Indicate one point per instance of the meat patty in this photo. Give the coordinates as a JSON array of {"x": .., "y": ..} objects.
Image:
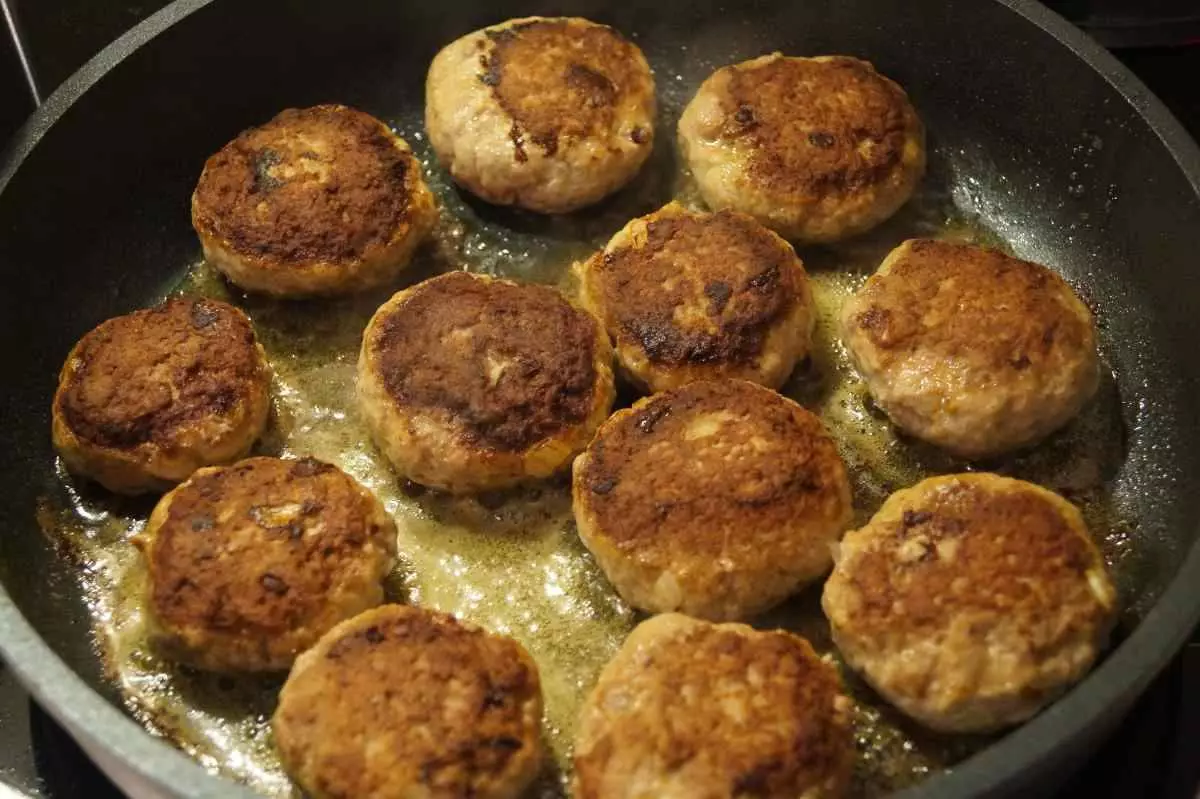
[
  {"x": 250, "y": 564},
  {"x": 718, "y": 499},
  {"x": 971, "y": 601},
  {"x": 688, "y": 296},
  {"x": 321, "y": 200},
  {"x": 147, "y": 398},
  {"x": 970, "y": 349},
  {"x": 406, "y": 702},
  {"x": 469, "y": 383},
  {"x": 817, "y": 149},
  {"x": 692, "y": 710},
  {"x": 549, "y": 114}
]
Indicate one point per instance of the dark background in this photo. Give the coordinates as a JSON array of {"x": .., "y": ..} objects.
[{"x": 1157, "y": 751}]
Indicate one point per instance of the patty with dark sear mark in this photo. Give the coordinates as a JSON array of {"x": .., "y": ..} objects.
[
  {"x": 470, "y": 383},
  {"x": 406, "y": 702},
  {"x": 548, "y": 114},
  {"x": 971, "y": 601},
  {"x": 145, "y": 399},
  {"x": 250, "y": 564},
  {"x": 321, "y": 200},
  {"x": 691, "y": 296},
  {"x": 719, "y": 500},
  {"x": 690, "y": 709},
  {"x": 817, "y": 149},
  {"x": 970, "y": 349}
]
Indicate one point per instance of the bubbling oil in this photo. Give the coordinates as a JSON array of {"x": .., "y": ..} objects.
[{"x": 512, "y": 561}]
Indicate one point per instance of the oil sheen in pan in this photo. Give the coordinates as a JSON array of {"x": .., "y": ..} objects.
[{"x": 512, "y": 562}]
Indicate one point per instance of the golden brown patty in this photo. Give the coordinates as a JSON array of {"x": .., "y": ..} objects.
[
  {"x": 970, "y": 601},
  {"x": 469, "y": 382},
  {"x": 971, "y": 349},
  {"x": 560, "y": 78},
  {"x": 401, "y": 701},
  {"x": 689, "y": 709},
  {"x": 688, "y": 296},
  {"x": 550, "y": 114},
  {"x": 718, "y": 499},
  {"x": 147, "y": 398},
  {"x": 816, "y": 148},
  {"x": 250, "y": 564},
  {"x": 318, "y": 200}
]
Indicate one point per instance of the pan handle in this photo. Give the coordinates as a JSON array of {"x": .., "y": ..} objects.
[{"x": 31, "y": 83}]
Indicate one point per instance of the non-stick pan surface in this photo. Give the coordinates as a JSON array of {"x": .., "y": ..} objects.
[{"x": 1053, "y": 144}]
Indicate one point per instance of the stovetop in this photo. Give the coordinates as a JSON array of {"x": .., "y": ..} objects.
[{"x": 1155, "y": 753}]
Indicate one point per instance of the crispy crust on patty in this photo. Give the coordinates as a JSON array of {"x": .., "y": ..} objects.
[
  {"x": 250, "y": 564},
  {"x": 544, "y": 347},
  {"x": 1018, "y": 552},
  {"x": 468, "y": 382},
  {"x": 815, "y": 148},
  {"x": 972, "y": 349},
  {"x": 971, "y": 600},
  {"x": 548, "y": 114},
  {"x": 687, "y": 296},
  {"x": 318, "y": 199},
  {"x": 964, "y": 301},
  {"x": 403, "y": 701},
  {"x": 688, "y": 708},
  {"x": 146, "y": 398},
  {"x": 718, "y": 499},
  {"x": 561, "y": 78},
  {"x": 816, "y": 126}
]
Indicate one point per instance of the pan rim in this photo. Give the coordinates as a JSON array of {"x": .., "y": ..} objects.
[
  {"x": 100, "y": 725},
  {"x": 1124, "y": 674}
]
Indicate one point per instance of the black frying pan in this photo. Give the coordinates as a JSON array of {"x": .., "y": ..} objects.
[{"x": 94, "y": 222}]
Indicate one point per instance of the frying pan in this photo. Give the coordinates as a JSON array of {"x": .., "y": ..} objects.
[{"x": 1043, "y": 135}]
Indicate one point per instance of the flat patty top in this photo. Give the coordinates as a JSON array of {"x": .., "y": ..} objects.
[
  {"x": 975, "y": 305},
  {"x": 758, "y": 708},
  {"x": 456, "y": 706},
  {"x": 510, "y": 365},
  {"x": 260, "y": 547},
  {"x": 672, "y": 478},
  {"x": 815, "y": 127},
  {"x": 971, "y": 544},
  {"x": 700, "y": 289},
  {"x": 326, "y": 183},
  {"x": 162, "y": 375},
  {"x": 563, "y": 79}
]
